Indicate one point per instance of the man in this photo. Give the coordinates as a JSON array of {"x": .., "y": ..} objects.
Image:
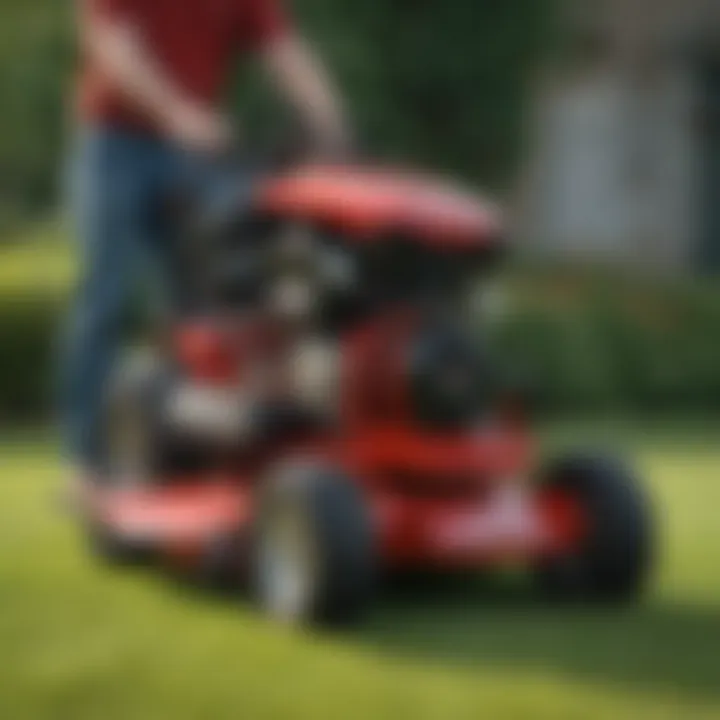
[{"x": 148, "y": 108}]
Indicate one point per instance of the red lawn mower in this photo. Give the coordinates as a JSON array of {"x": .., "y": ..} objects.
[{"x": 325, "y": 415}]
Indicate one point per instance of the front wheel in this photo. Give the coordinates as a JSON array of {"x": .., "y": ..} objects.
[
  {"x": 312, "y": 557},
  {"x": 613, "y": 558}
]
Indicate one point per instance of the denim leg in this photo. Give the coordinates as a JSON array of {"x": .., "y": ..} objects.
[
  {"x": 209, "y": 190},
  {"x": 109, "y": 184},
  {"x": 160, "y": 246}
]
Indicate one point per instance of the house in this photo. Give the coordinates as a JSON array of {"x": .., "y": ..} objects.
[{"x": 624, "y": 159}]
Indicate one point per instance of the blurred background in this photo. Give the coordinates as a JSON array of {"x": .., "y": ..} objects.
[{"x": 597, "y": 123}]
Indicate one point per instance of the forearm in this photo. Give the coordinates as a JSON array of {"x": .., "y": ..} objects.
[
  {"x": 119, "y": 53},
  {"x": 303, "y": 82}
]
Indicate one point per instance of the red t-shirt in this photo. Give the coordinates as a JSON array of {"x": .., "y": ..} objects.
[{"x": 195, "y": 41}]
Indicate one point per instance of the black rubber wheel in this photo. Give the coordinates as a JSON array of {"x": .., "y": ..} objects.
[
  {"x": 137, "y": 442},
  {"x": 109, "y": 549},
  {"x": 312, "y": 558},
  {"x": 131, "y": 442},
  {"x": 614, "y": 559}
]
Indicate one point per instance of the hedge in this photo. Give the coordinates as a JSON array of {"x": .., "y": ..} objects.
[
  {"x": 27, "y": 340},
  {"x": 596, "y": 342},
  {"x": 588, "y": 342},
  {"x": 36, "y": 271}
]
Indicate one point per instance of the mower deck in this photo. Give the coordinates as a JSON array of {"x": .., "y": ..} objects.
[{"x": 187, "y": 517}]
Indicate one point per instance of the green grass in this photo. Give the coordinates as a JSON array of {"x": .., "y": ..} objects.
[
  {"x": 78, "y": 641},
  {"x": 38, "y": 263}
]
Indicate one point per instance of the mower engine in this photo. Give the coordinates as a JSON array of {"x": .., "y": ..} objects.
[{"x": 345, "y": 320}]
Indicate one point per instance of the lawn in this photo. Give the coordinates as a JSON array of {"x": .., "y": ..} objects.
[
  {"x": 37, "y": 263},
  {"x": 78, "y": 641}
]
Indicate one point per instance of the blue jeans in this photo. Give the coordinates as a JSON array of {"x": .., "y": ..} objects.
[{"x": 120, "y": 184}]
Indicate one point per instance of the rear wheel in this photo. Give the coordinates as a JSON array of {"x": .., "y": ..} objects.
[
  {"x": 134, "y": 447},
  {"x": 312, "y": 558},
  {"x": 614, "y": 557},
  {"x": 138, "y": 443},
  {"x": 131, "y": 443}
]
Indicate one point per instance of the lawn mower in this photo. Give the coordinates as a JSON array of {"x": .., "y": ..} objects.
[{"x": 325, "y": 413}]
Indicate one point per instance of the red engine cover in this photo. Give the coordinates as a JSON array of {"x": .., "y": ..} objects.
[
  {"x": 374, "y": 385},
  {"x": 369, "y": 203}
]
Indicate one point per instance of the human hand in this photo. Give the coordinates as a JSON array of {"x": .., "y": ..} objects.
[
  {"x": 200, "y": 129},
  {"x": 334, "y": 142}
]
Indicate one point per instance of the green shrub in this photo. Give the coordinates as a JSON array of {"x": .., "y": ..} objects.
[
  {"x": 589, "y": 344},
  {"x": 28, "y": 332},
  {"x": 596, "y": 343}
]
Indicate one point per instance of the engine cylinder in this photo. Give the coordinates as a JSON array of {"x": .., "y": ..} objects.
[
  {"x": 408, "y": 370},
  {"x": 447, "y": 376}
]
